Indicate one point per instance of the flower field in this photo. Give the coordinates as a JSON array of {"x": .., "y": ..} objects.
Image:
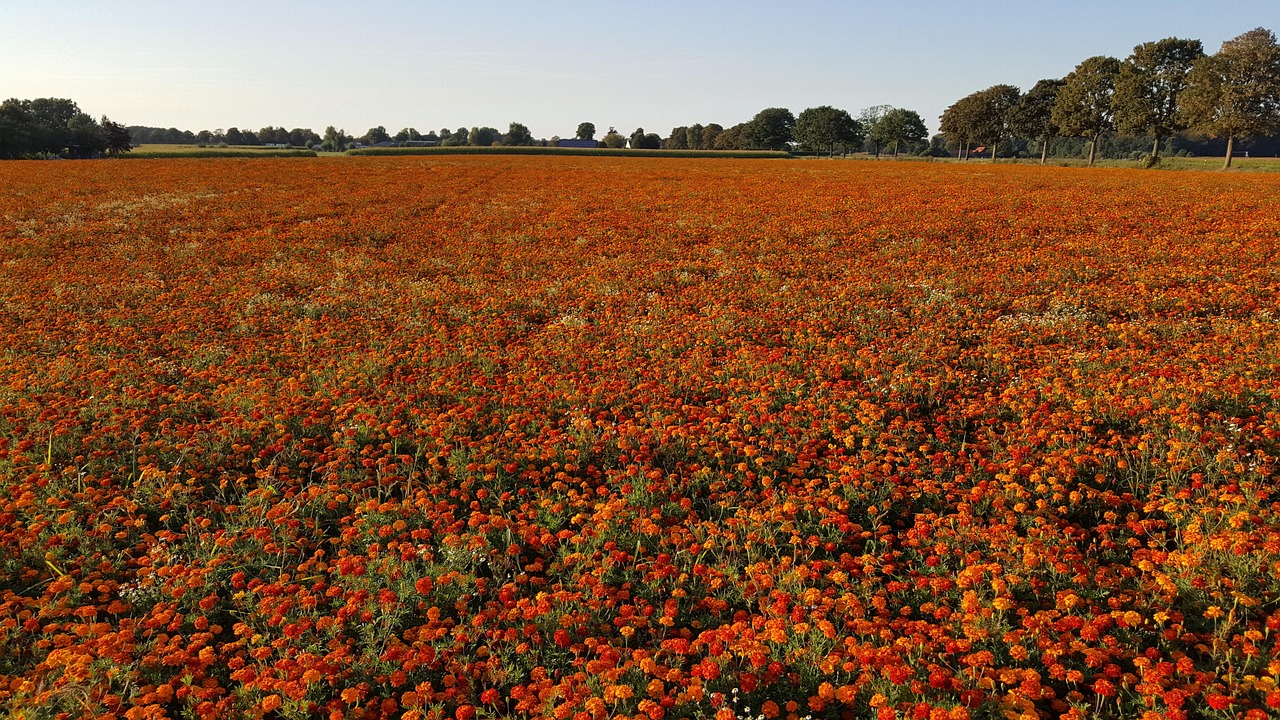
[{"x": 476, "y": 437}]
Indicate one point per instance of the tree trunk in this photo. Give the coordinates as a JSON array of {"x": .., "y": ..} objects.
[
  {"x": 1044, "y": 150},
  {"x": 1231, "y": 141},
  {"x": 1093, "y": 145},
  {"x": 964, "y": 150},
  {"x": 994, "y": 145},
  {"x": 1155, "y": 149}
]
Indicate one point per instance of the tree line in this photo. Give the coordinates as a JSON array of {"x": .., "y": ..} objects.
[
  {"x": 816, "y": 129},
  {"x": 54, "y": 127},
  {"x": 297, "y": 137},
  {"x": 1164, "y": 88}
]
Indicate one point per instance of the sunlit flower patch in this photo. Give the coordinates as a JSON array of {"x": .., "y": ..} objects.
[{"x": 588, "y": 438}]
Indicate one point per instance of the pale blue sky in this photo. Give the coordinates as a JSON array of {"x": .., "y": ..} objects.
[{"x": 552, "y": 65}]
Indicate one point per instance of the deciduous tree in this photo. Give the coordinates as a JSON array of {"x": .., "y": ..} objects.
[
  {"x": 1083, "y": 106},
  {"x": 483, "y": 136},
  {"x": 733, "y": 138},
  {"x": 614, "y": 139},
  {"x": 1032, "y": 117},
  {"x": 771, "y": 129},
  {"x": 868, "y": 117},
  {"x": 983, "y": 116},
  {"x": 517, "y": 134},
  {"x": 679, "y": 138},
  {"x": 376, "y": 135},
  {"x": 50, "y": 120},
  {"x": 15, "y": 129},
  {"x": 824, "y": 127},
  {"x": 118, "y": 141},
  {"x": 694, "y": 136},
  {"x": 1148, "y": 86},
  {"x": 959, "y": 123},
  {"x": 899, "y": 127},
  {"x": 709, "y": 135},
  {"x": 1236, "y": 91}
]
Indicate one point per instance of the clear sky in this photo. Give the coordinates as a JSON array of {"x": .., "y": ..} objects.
[{"x": 551, "y": 65}]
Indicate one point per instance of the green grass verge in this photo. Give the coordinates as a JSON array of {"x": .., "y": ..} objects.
[
  {"x": 1167, "y": 162},
  {"x": 586, "y": 152}
]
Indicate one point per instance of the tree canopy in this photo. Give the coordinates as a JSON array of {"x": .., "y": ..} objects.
[
  {"x": 824, "y": 127},
  {"x": 1083, "y": 106},
  {"x": 957, "y": 121},
  {"x": 517, "y": 134},
  {"x": 483, "y": 136},
  {"x": 771, "y": 129},
  {"x": 984, "y": 116},
  {"x": 47, "y": 127},
  {"x": 1235, "y": 92},
  {"x": 899, "y": 127},
  {"x": 586, "y": 131},
  {"x": 1033, "y": 115},
  {"x": 614, "y": 139},
  {"x": 1148, "y": 86}
]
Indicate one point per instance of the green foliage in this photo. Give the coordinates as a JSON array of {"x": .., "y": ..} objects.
[
  {"x": 868, "y": 117},
  {"x": 824, "y": 127},
  {"x": 984, "y": 116},
  {"x": 709, "y": 135},
  {"x": 47, "y": 127},
  {"x": 957, "y": 121},
  {"x": 1033, "y": 115},
  {"x": 614, "y": 139},
  {"x": 694, "y": 136},
  {"x": 678, "y": 139},
  {"x": 334, "y": 140},
  {"x": 771, "y": 129},
  {"x": 732, "y": 138},
  {"x": 1083, "y": 106},
  {"x": 483, "y": 136},
  {"x": 1235, "y": 92},
  {"x": 1148, "y": 86},
  {"x": 586, "y": 131},
  {"x": 517, "y": 134},
  {"x": 899, "y": 127},
  {"x": 406, "y": 134}
]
